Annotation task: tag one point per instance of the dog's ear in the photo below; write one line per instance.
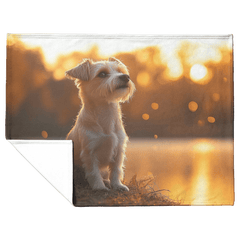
(113, 59)
(81, 72)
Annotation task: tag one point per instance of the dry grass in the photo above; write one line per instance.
(141, 193)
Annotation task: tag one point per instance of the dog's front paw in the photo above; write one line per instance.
(100, 187)
(120, 187)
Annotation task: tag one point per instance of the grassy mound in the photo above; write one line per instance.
(141, 193)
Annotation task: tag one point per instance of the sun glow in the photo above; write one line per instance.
(203, 147)
(200, 74)
(202, 151)
(164, 60)
(59, 73)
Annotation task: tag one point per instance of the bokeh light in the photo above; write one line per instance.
(193, 106)
(145, 116)
(211, 119)
(44, 134)
(143, 79)
(154, 106)
(142, 56)
(156, 136)
(175, 69)
(201, 123)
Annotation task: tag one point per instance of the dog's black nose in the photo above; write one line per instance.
(125, 78)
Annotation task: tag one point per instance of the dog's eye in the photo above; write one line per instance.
(102, 74)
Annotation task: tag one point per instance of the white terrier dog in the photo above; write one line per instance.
(98, 135)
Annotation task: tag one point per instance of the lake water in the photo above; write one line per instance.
(195, 171)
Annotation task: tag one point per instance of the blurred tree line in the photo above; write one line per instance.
(39, 99)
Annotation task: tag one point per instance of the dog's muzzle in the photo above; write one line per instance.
(124, 78)
(124, 81)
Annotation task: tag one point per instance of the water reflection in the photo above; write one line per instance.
(196, 171)
(200, 182)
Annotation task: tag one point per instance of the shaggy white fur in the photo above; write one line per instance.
(98, 136)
